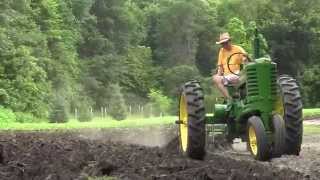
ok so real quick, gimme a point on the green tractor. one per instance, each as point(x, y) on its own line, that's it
point(265, 111)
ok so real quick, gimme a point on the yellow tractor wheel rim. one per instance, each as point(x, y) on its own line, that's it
point(253, 141)
point(183, 115)
point(279, 106)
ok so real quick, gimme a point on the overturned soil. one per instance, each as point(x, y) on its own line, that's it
point(133, 154)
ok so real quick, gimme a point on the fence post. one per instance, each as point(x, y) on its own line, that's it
point(141, 114)
point(91, 112)
point(76, 113)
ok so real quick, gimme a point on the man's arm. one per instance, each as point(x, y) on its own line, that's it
point(220, 65)
point(244, 58)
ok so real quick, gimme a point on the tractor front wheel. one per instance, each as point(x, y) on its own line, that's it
point(192, 130)
point(279, 136)
point(257, 139)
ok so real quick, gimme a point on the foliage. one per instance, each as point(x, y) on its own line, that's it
point(180, 29)
point(6, 116)
point(85, 112)
point(210, 94)
point(140, 74)
point(81, 48)
point(245, 34)
point(117, 108)
point(174, 77)
point(237, 29)
point(4, 97)
point(310, 84)
point(160, 103)
point(27, 118)
point(81, 105)
point(23, 79)
point(59, 112)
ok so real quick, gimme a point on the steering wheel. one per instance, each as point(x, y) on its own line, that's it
point(229, 59)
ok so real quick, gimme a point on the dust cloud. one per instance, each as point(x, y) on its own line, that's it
point(147, 136)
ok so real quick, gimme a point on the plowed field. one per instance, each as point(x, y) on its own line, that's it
point(146, 153)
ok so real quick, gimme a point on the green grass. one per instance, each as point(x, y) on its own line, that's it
point(311, 129)
point(311, 113)
point(96, 123)
point(130, 122)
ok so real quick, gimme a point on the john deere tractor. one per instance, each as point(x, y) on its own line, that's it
point(265, 111)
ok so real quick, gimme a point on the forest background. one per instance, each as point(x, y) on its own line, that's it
point(60, 57)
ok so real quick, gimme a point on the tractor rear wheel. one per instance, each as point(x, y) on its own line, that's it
point(192, 130)
point(289, 106)
point(257, 139)
point(279, 136)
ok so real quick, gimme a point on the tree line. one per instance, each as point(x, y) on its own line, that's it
point(58, 55)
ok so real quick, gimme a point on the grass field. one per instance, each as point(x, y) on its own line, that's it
point(96, 123)
point(311, 129)
point(311, 113)
point(130, 122)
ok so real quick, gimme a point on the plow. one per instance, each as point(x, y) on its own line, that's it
point(265, 112)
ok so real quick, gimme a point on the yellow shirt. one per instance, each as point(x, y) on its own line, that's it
point(235, 61)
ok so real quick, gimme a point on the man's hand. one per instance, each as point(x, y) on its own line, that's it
point(245, 58)
point(220, 70)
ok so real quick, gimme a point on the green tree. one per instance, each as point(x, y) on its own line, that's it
point(175, 39)
point(174, 77)
point(139, 74)
point(160, 103)
point(76, 50)
point(23, 54)
point(117, 107)
point(59, 111)
point(310, 84)
point(244, 35)
point(84, 110)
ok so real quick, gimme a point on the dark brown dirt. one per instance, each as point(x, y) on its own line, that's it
point(96, 153)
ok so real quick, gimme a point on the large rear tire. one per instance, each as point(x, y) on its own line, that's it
point(257, 139)
point(192, 130)
point(289, 106)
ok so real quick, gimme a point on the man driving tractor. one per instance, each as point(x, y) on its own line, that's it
point(224, 76)
point(265, 110)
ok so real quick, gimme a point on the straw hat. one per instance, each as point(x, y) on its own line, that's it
point(224, 37)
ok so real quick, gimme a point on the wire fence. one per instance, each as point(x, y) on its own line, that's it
point(132, 110)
